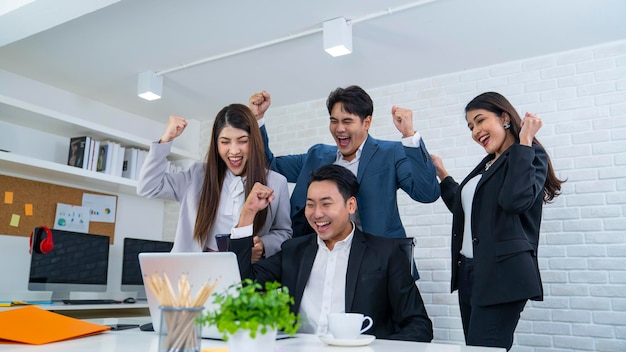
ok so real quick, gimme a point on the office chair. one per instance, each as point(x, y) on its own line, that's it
point(406, 245)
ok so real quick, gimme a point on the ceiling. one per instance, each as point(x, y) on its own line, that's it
point(100, 52)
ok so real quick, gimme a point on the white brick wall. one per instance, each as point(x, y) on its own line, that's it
point(171, 208)
point(581, 96)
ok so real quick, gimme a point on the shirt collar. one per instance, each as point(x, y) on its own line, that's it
point(235, 184)
point(346, 242)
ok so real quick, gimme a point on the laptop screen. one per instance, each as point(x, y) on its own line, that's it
point(200, 268)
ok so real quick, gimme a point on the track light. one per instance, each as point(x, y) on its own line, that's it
point(337, 41)
point(150, 86)
point(337, 37)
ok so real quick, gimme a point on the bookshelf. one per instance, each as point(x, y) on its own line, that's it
point(17, 165)
point(37, 141)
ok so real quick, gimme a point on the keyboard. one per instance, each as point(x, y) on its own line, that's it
point(91, 301)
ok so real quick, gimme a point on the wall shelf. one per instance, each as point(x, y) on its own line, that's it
point(26, 167)
point(36, 140)
point(30, 116)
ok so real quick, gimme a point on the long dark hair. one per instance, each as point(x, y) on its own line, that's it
point(237, 116)
point(499, 105)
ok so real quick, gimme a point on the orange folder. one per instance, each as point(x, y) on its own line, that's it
point(36, 326)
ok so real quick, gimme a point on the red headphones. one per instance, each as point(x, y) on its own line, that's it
point(43, 245)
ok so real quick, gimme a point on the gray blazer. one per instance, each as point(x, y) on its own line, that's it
point(185, 188)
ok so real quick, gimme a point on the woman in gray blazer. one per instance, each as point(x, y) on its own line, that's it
point(496, 219)
point(215, 195)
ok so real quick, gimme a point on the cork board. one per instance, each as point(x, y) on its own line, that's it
point(18, 196)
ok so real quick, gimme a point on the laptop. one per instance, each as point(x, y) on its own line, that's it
point(199, 268)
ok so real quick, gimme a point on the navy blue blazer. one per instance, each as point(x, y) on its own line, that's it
point(378, 281)
point(506, 216)
point(384, 167)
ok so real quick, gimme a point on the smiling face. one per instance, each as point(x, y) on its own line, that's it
point(488, 131)
point(348, 130)
point(328, 212)
point(233, 148)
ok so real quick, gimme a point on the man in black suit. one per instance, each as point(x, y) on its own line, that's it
point(340, 269)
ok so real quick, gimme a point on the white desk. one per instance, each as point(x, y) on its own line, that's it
point(134, 340)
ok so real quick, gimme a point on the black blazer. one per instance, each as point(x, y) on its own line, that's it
point(378, 281)
point(506, 216)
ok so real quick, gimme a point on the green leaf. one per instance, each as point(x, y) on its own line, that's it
point(248, 306)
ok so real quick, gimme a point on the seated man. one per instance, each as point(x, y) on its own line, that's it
point(339, 268)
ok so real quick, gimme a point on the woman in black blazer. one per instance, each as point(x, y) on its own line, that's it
point(496, 219)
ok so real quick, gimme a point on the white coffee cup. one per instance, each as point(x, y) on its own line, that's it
point(348, 325)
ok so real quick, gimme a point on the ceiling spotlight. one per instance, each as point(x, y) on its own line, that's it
point(150, 86)
point(337, 37)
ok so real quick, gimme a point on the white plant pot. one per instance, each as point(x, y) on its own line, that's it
point(242, 342)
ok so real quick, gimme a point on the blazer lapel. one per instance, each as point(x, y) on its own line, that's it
point(328, 156)
point(477, 170)
point(369, 149)
point(492, 170)
point(305, 267)
point(354, 263)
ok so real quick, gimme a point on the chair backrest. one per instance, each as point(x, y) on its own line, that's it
point(407, 244)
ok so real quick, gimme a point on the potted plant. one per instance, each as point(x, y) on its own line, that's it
point(249, 315)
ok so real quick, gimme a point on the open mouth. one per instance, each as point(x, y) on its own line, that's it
point(484, 140)
point(322, 225)
point(343, 141)
point(236, 162)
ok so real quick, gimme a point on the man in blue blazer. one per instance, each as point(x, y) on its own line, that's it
point(339, 268)
point(381, 167)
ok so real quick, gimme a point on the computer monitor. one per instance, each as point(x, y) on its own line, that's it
point(78, 262)
point(131, 271)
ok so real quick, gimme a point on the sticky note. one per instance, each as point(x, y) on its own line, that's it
point(28, 209)
point(8, 197)
point(15, 220)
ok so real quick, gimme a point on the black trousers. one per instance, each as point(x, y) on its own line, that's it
point(489, 326)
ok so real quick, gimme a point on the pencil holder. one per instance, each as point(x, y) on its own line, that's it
point(180, 330)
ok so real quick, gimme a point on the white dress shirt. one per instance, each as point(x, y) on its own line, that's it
point(467, 199)
point(353, 165)
point(325, 292)
point(229, 209)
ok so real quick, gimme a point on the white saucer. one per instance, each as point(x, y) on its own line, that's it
point(361, 340)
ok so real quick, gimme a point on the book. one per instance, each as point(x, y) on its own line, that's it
point(87, 158)
point(120, 160)
point(78, 151)
point(94, 150)
point(89, 152)
point(141, 157)
point(113, 152)
point(130, 163)
point(105, 155)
